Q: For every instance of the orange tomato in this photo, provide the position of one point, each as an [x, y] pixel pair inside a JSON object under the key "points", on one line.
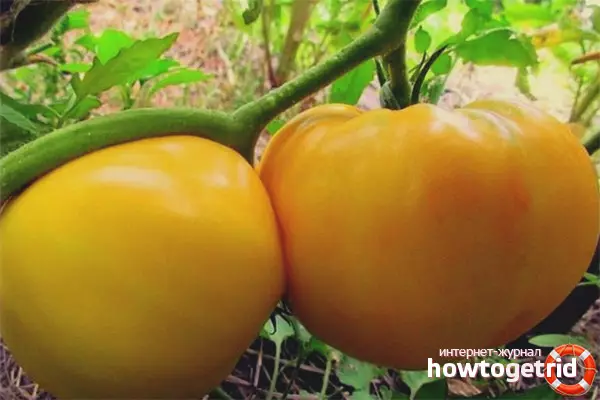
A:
{"points": [[408, 232], [143, 270]]}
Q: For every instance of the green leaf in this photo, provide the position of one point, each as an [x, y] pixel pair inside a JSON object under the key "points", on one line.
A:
{"points": [[554, 340], [87, 41], [110, 43], [78, 19], [362, 395], [83, 108], [30, 111], [426, 9], [275, 125], [517, 11], [415, 380], [178, 77], [157, 68], [253, 11], [443, 65], [591, 277], [422, 40], [498, 47], [74, 67], [350, 87], [437, 389], [596, 18], [472, 22], [277, 335], [125, 65], [485, 7], [356, 373], [14, 117]]}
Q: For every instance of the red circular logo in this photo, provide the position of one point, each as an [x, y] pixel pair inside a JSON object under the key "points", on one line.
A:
{"points": [[551, 367]]}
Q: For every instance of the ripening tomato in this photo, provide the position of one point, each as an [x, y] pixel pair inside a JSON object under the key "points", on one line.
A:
{"points": [[408, 232], [143, 270]]}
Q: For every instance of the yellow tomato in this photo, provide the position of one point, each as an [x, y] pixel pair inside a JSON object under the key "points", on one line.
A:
{"points": [[408, 232], [143, 270]]}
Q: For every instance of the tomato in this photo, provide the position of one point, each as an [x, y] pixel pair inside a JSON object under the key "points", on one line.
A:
{"points": [[143, 270], [409, 232]]}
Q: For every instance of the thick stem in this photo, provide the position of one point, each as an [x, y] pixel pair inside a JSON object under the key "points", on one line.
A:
{"points": [[239, 131], [395, 61], [36, 158], [387, 34]]}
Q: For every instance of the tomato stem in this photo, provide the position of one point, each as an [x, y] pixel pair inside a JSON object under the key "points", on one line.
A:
{"points": [[50, 151], [387, 38]]}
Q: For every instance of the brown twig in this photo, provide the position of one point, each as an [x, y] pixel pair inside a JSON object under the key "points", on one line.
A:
{"points": [[594, 56]]}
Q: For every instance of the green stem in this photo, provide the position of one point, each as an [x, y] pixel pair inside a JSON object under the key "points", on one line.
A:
{"points": [[35, 158], [387, 35], [275, 372], [327, 373], [239, 130], [416, 92], [396, 60]]}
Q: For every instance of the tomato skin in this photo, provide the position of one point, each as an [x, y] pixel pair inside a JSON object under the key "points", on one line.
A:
{"points": [[407, 232], [143, 270]]}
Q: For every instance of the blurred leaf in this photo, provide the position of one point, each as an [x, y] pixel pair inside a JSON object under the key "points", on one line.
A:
{"points": [[426, 9], [51, 51], [110, 43], [437, 389], [356, 373], [415, 380], [14, 117], [553, 340], [178, 77], [74, 67], [349, 88], [443, 65], [499, 47], [29, 110], [87, 41], [277, 334], [362, 395], [472, 22], [156, 68], [126, 64], [485, 7], [253, 11], [528, 13], [275, 125], [422, 40], [596, 18], [83, 108], [78, 19]]}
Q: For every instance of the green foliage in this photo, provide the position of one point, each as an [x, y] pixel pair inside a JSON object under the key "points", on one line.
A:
{"points": [[350, 87], [73, 86]]}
